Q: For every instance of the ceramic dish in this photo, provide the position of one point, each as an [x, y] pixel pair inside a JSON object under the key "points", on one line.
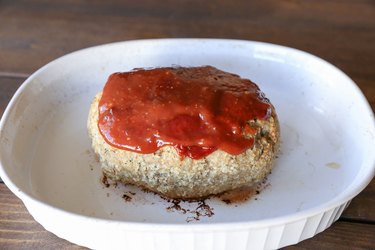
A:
{"points": [[327, 151]]}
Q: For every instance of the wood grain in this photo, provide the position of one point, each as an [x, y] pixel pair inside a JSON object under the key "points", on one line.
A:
{"points": [[341, 235], [18, 230], [8, 86], [34, 32], [362, 207]]}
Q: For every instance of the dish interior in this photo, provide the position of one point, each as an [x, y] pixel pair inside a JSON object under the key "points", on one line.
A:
{"points": [[325, 132]]}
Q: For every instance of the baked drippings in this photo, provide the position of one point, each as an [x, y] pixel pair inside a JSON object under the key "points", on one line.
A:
{"points": [[238, 195], [197, 110]]}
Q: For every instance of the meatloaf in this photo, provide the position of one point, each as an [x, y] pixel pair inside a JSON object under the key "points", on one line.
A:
{"points": [[234, 153]]}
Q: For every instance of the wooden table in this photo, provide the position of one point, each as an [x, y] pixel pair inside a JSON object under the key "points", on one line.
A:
{"points": [[34, 32]]}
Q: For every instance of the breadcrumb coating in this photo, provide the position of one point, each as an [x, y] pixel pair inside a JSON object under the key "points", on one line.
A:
{"points": [[164, 171]]}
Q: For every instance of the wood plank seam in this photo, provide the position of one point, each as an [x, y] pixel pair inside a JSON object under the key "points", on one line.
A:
{"points": [[13, 74], [357, 221]]}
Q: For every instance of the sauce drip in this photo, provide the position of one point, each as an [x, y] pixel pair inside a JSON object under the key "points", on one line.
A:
{"points": [[197, 110]]}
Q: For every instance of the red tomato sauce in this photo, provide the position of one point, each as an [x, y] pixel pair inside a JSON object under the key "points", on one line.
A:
{"points": [[197, 110]]}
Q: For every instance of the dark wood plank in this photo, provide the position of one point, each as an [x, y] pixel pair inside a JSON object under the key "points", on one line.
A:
{"points": [[18, 230], [8, 86], [341, 235], [362, 207], [37, 31], [368, 88]]}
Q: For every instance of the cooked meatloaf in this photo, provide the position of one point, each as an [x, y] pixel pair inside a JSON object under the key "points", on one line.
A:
{"points": [[242, 157]]}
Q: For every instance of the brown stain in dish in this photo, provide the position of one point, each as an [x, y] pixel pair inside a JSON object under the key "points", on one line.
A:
{"points": [[202, 209], [243, 194], [126, 197], [238, 195], [104, 181]]}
